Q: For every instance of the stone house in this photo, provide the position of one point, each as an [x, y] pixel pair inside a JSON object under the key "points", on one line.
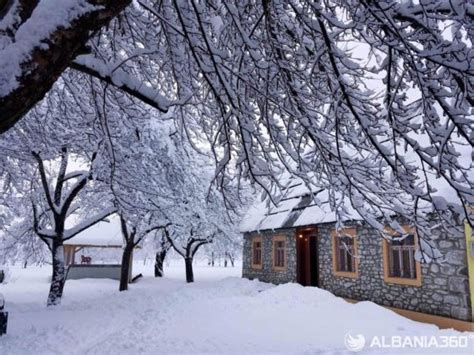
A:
{"points": [[297, 241]]}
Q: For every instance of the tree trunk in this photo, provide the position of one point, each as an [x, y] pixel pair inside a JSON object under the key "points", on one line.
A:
{"points": [[59, 274], [189, 269], [125, 270], [231, 258], [44, 64], [159, 260]]}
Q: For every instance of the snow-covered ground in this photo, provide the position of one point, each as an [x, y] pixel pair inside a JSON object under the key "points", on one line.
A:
{"points": [[220, 313]]}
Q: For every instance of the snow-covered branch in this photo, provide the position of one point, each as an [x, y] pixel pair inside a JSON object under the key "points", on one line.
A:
{"points": [[35, 52], [116, 76], [70, 233]]}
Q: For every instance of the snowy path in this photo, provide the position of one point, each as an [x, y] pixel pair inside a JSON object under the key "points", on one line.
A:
{"points": [[217, 314]]}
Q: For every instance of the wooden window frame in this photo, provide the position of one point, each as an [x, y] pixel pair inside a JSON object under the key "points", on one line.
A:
{"points": [[386, 260], [275, 239], [346, 232], [257, 238]]}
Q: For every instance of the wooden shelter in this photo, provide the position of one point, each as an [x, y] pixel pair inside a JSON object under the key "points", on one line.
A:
{"points": [[105, 234]]}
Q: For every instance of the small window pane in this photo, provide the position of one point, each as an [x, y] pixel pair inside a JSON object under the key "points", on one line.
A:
{"points": [[402, 258], [257, 253], [279, 253], [345, 260]]}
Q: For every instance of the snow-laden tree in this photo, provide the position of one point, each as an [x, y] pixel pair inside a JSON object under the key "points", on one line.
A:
{"points": [[134, 230], [50, 166], [225, 250], [187, 243], [197, 214], [19, 242], [162, 247], [160, 183], [56, 199], [38, 41], [123, 153], [371, 99], [60, 208], [135, 155]]}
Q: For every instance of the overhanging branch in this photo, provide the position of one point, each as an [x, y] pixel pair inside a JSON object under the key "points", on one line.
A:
{"points": [[43, 60], [118, 78]]}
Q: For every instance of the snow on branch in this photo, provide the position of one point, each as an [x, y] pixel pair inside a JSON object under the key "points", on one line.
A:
{"points": [[35, 52], [70, 233], [75, 175], [47, 17], [117, 77]]}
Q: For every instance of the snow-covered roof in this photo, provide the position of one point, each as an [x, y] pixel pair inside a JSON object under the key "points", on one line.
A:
{"points": [[103, 234], [298, 206]]}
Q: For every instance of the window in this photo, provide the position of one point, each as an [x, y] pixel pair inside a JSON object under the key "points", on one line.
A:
{"points": [[400, 266], [345, 253], [257, 253], [279, 253], [401, 258], [257, 245]]}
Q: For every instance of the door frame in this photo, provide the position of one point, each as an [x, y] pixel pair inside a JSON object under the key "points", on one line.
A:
{"points": [[310, 232]]}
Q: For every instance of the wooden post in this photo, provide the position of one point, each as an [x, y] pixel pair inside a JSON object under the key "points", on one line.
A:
{"points": [[69, 254], [73, 261], [66, 255]]}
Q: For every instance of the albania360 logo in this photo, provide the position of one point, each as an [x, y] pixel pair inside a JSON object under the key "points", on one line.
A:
{"points": [[354, 343], [357, 342]]}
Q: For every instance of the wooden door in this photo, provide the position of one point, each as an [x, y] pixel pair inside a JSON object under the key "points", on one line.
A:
{"points": [[307, 257]]}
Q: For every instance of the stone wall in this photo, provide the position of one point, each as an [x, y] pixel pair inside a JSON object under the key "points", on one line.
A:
{"points": [[444, 289], [267, 273]]}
